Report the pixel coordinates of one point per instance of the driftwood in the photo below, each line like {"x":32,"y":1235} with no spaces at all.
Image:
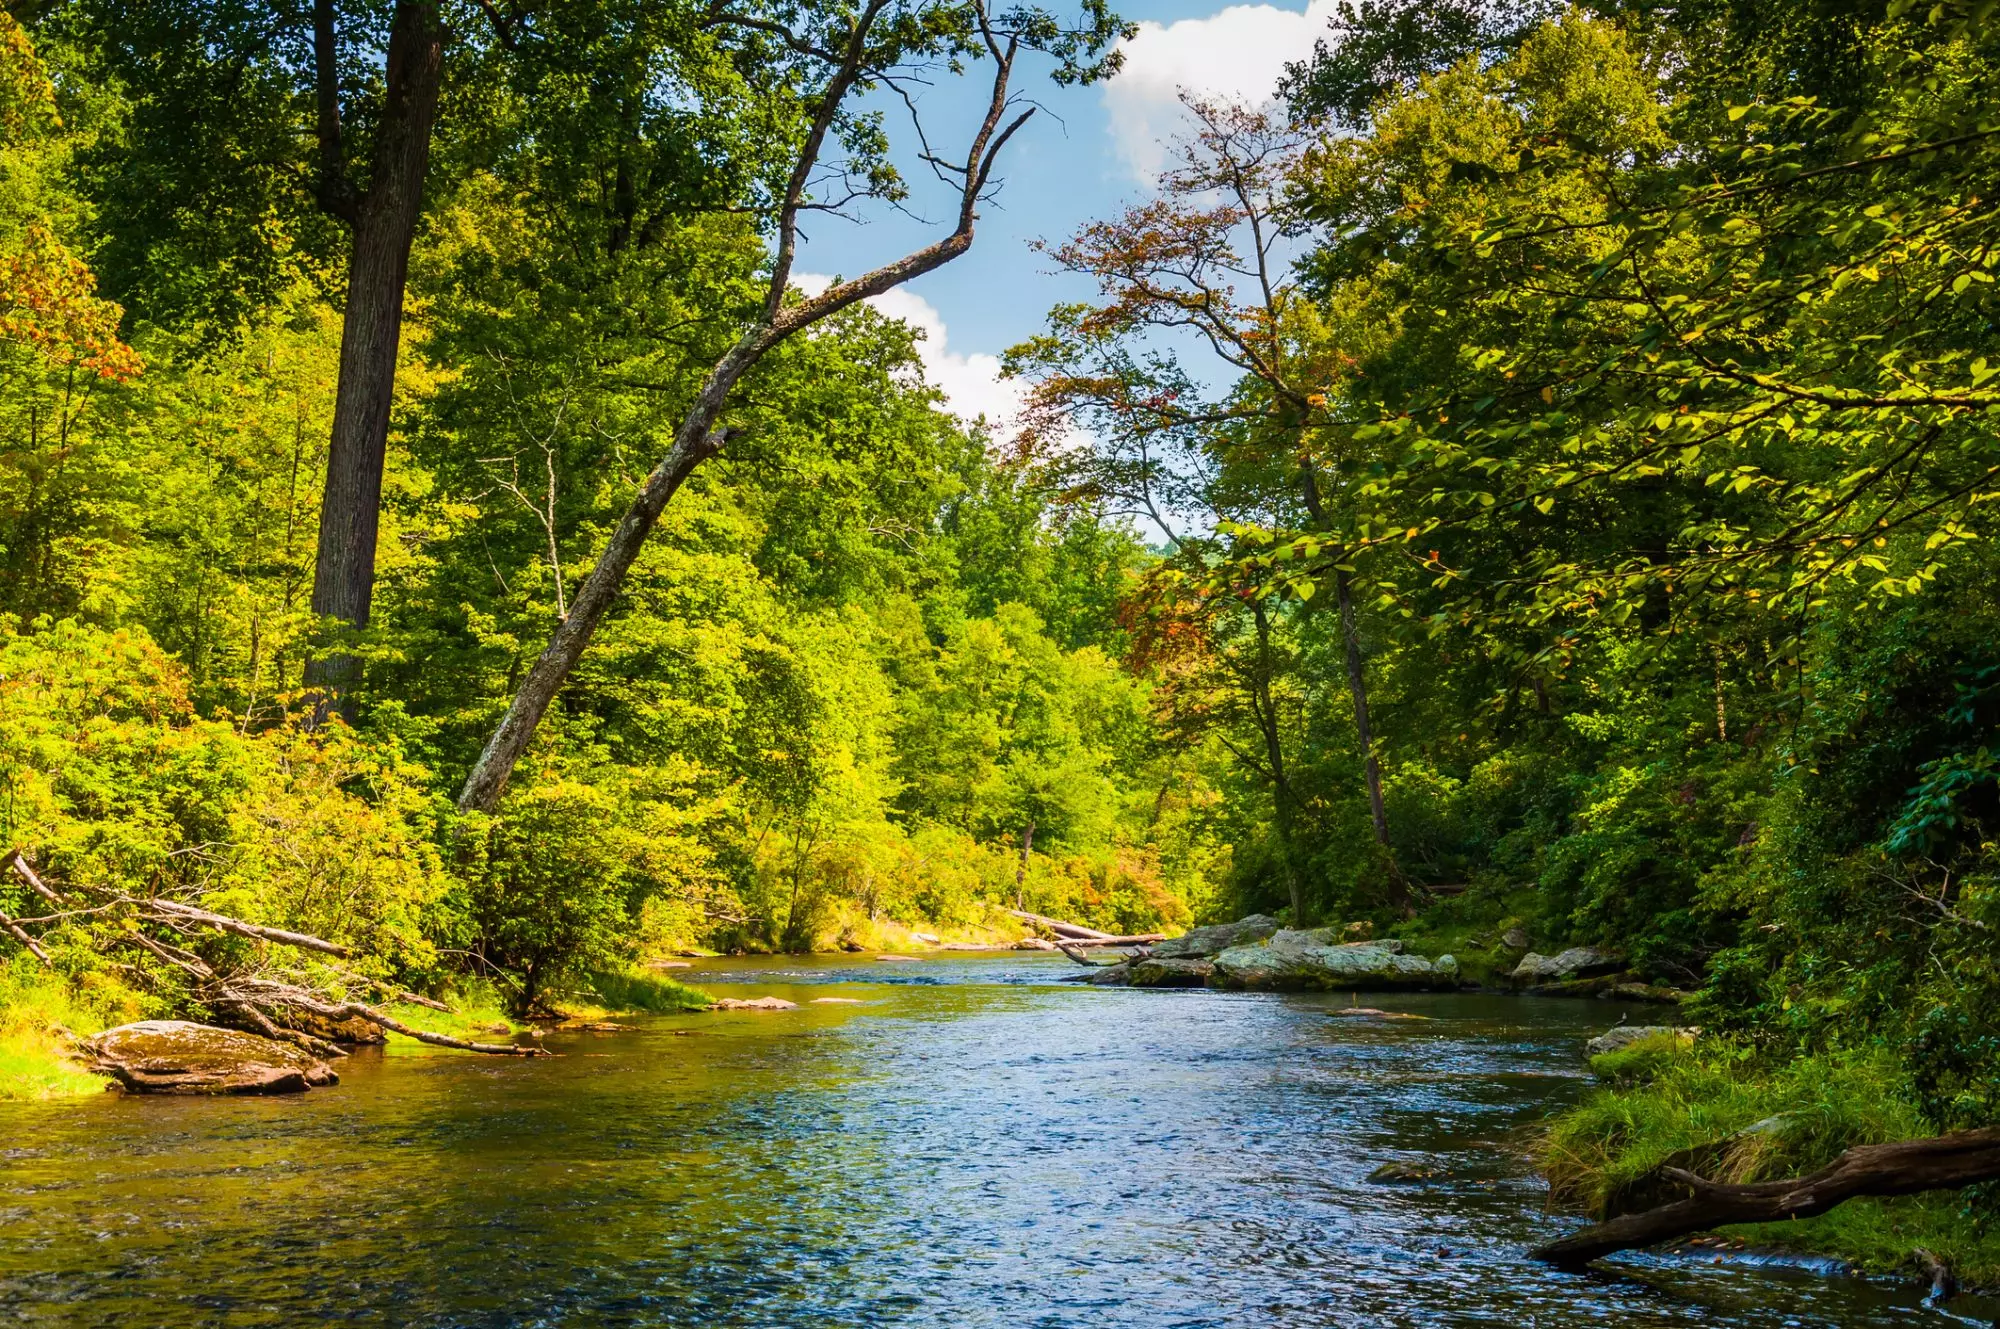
{"x":1944,"y":1162}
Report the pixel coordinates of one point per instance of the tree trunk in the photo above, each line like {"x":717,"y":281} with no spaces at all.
{"x":385,"y":222}
{"x":1021,"y":872}
{"x":1266,"y":710}
{"x":693,"y":444}
{"x":1906,"y":1167}
{"x":1357,"y":687}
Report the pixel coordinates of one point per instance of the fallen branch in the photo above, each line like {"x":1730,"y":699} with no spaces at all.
{"x":14,"y":859}
{"x":34,"y":947}
{"x":285,"y":994}
{"x":1944,"y":1162}
{"x":237,"y":927}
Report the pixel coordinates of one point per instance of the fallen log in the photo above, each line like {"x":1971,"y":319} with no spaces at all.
{"x":1141,"y":939}
{"x":1057,"y":925}
{"x":1944,"y":1162}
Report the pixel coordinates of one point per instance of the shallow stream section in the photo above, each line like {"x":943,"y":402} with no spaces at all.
{"x":964,"y":1142}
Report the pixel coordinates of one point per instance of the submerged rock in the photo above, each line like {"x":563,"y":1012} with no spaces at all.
{"x":1572,"y":965}
{"x":754,"y":1004}
{"x":1625,"y":1035}
{"x":1158,"y":972}
{"x":1201,"y":943}
{"x":181,"y":1057}
{"x":1309,"y":962}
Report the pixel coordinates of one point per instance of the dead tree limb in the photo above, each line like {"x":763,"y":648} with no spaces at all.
{"x":1945,"y":1162}
{"x":14,"y":859}
{"x":287,"y":995}
{"x":237,"y":927}
{"x":20,"y":935}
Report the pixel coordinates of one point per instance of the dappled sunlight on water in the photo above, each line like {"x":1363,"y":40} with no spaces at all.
{"x":974,"y":1144}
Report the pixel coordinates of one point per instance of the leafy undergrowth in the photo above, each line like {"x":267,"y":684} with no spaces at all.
{"x":1753,"y":1125}
{"x":40,"y":1016}
{"x":1469,"y":928}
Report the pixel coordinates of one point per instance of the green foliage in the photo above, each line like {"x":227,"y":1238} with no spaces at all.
{"x":41,"y":1015}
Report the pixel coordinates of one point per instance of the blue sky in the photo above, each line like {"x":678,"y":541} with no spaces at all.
{"x":1086,"y":154}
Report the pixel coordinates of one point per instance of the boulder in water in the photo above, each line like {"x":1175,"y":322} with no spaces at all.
{"x":1110,"y":975}
{"x":1310,"y":961}
{"x":1200,"y":943}
{"x":1168,"y":972}
{"x":754,"y":1004}
{"x":181,"y":1057}
{"x":1578,"y":962}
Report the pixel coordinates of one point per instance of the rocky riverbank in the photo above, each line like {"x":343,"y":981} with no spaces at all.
{"x":1259,"y":954}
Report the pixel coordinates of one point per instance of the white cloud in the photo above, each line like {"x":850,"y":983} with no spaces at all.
{"x":1238,"y":54}
{"x":970,"y":381}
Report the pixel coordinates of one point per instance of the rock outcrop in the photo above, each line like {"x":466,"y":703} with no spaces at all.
{"x":1202,"y":943}
{"x":1570,"y":966}
{"x":181,"y":1057}
{"x":753,"y":1004}
{"x":1311,"y":961}
{"x":1167,"y":972}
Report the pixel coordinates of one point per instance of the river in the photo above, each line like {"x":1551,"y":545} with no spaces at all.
{"x":973,"y":1144}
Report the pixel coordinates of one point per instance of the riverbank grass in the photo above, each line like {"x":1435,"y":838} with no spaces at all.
{"x":1706,"y":1109}
{"x":40,"y":1017}
{"x":628,"y":992}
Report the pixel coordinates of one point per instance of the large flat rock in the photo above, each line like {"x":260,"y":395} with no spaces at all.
{"x":1201,"y":943}
{"x":1572,"y":965}
{"x":1308,"y":962}
{"x":181,"y":1057}
{"x":1156,"y":972}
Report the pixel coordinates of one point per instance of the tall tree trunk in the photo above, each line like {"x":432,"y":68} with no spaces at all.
{"x":1021,"y":872}
{"x":385,"y":222}
{"x":1283,"y":804}
{"x":1357,"y":688}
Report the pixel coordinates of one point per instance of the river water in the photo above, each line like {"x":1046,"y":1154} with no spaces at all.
{"x":972,"y":1143}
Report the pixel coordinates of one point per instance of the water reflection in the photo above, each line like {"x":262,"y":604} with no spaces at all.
{"x":973,"y":1145}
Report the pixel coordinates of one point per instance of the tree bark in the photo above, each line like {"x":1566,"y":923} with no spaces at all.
{"x":1945,"y":1162}
{"x":1357,"y":688}
{"x":385,"y":222}
{"x":1021,"y":872}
